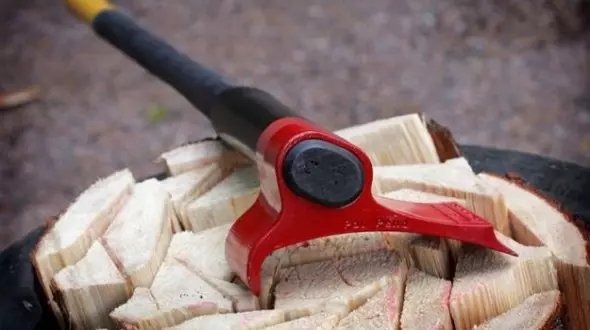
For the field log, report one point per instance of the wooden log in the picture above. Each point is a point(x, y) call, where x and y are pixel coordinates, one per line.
point(117, 278)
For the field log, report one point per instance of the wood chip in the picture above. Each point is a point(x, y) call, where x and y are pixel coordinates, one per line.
point(68, 240)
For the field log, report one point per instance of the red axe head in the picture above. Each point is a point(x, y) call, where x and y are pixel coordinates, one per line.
point(296, 159)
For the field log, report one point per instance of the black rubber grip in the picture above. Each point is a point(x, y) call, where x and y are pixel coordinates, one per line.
point(241, 114)
point(197, 83)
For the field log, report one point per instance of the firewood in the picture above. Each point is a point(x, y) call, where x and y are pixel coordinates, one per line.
point(224, 203)
point(179, 278)
point(188, 285)
point(426, 302)
point(453, 178)
point(538, 221)
point(318, 321)
point(382, 311)
point(488, 283)
point(147, 218)
point(537, 312)
point(176, 295)
point(187, 186)
point(413, 143)
point(198, 155)
point(88, 290)
point(238, 321)
point(340, 284)
point(70, 237)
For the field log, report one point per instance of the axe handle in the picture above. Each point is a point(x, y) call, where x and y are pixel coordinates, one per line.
point(239, 114)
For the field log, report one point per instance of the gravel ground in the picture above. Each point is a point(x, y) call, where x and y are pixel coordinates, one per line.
point(509, 74)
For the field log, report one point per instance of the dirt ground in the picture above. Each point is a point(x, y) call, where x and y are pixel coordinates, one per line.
point(510, 74)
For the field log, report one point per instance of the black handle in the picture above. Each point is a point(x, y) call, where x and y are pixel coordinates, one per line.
point(239, 114)
point(199, 84)
point(314, 169)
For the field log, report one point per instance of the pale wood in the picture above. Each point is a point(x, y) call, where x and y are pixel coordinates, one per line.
point(200, 154)
point(352, 281)
point(318, 321)
point(187, 186)
point(240, 321)
point(176, 295)
point(537, 312)
point(537, 220)
point(139, 236)
point(338, 284)
point(413, 143)
point(432, 255)
point(69, 238)
point(195, 281)
point(426, 302)
point(488, 283)
point(224, 203)
point(453, 178)
point(90, 289)
point(382, 311)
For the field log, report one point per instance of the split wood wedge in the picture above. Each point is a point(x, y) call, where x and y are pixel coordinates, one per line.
point(488, 283)
point(194, 280)
point(69, 238)
point(382, 311)
point(90, 289)
point(413, 141)
point(189, 185)
point(538, 221)
point(148, 218)
point(426, 302)
point(193, 156)
point(537, 312)
point(224, 203)
point(238, 321)
point(340, 284)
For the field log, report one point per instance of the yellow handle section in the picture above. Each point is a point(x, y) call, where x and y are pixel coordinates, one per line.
point(88, 9)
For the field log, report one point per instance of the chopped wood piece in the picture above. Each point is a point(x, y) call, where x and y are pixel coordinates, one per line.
point(318, 321)
point(177, 295)
point(196, 272)
point(453, 178)
point(535, 220)
point(381, 311)
point(537, 312)
point(413, 144)
point(225, 202)
point(187, 186)
point(68, 240)
point(204, 251)
point(90, 289)
point(339, 284)
point(200, 154)
point(239, 321)
point(139, 236)
point(426, 302)
point(488, 283)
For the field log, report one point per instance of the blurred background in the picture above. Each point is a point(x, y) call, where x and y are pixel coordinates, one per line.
point(502, 73)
